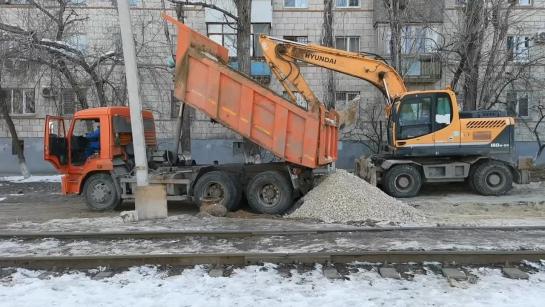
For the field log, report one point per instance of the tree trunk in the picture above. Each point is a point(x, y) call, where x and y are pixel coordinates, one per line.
point(327, 40)
point(395, 34)
point(472, 47)
point(11, 126)
point(244, 58)
point(244, 33)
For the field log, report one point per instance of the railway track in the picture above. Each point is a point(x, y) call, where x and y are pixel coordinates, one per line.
point(498, 257)
point(126, 235)
point(246, 257)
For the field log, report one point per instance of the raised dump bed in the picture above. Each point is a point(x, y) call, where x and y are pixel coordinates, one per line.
point(204, 81)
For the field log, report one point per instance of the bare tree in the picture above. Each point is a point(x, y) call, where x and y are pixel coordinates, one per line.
point(490, 58)
point(5, 107)
point(367, 128)
point(328, 40)
point(43, 41)
point(243, 26)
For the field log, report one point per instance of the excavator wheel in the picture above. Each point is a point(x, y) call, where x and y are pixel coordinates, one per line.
point(218, 184)
point(402, 180)
point(269, 192)
point(100, 192)
point(492, 178)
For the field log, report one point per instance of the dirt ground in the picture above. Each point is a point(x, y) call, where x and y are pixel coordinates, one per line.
point(444, 204)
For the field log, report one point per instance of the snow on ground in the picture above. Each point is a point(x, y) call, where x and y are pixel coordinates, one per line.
point(176, 222)
point(467, 240)
point(2, 198)
point(21, 179)
point(147, 286)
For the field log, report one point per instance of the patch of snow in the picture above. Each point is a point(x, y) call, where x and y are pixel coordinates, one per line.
point(21, 179)
point(2, 198)
point(148, 286)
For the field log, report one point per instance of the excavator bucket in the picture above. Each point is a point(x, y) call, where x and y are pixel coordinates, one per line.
point(205, 81)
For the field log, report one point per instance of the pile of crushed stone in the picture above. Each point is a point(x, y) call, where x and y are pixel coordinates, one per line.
point(343, 197)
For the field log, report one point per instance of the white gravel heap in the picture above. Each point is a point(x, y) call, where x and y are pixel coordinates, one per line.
point(342, 197)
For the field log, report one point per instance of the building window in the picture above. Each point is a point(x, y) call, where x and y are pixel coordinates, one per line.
point(299, 99)
point(225, 34)
point(134, 3)
point(77, 2)
point(414, 40)
point(344, 98)
point(20, 101)
point(348, 43)
point(296, 3)
point(517, 104)
point(78, 41)
point(518, 48)
point(347, 3)
point(68, 101)
point(524, 2)
point(257, 29)
point(298, 39)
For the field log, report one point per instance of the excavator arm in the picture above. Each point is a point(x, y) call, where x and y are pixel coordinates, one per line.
point(282, 56)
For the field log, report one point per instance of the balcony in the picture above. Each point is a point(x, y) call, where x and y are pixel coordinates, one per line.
point(423, 68)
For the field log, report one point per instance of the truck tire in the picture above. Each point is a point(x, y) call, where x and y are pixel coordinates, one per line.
point(218, 184)
point(100, 193)
point(492, 178)
point(269, 192)
point(402, 180)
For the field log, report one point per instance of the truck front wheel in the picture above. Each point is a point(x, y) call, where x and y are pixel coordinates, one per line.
point(220, 185)
point(100, 193)
point(269, 192)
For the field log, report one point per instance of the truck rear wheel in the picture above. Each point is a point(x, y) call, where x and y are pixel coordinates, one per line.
point(492, 178)
point(100, 193)
point(217, 184)
point(402, 180)
point(269, 192)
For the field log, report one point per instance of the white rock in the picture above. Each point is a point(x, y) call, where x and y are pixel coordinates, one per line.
point(342, 197)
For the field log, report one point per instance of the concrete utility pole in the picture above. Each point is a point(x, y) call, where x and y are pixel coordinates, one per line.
point(150, 200)
point(135, 105)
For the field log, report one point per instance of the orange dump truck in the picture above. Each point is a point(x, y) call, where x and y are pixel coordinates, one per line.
point(96, 157)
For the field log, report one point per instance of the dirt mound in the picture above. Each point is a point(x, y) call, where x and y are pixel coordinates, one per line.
point(342, 197)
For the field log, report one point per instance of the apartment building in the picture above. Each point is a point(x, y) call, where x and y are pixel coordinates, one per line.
point(358, 25)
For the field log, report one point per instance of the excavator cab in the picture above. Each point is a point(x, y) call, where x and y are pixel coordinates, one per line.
point(425, 123)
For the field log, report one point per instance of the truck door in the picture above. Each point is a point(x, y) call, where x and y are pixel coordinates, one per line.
point(55, 142)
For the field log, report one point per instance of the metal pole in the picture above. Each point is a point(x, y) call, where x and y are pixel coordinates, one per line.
point(179, 124)
point(135, 105)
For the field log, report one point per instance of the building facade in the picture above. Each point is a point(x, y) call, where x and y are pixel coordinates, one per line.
point(358, 25)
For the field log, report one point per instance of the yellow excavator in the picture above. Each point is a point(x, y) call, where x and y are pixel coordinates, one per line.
point(429, 138)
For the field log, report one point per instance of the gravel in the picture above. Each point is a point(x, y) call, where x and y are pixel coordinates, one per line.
point(342, 197)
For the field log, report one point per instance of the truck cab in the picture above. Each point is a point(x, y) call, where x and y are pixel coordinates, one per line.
point(95, 139)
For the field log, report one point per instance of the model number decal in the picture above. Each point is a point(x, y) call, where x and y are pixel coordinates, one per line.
point(498, 145)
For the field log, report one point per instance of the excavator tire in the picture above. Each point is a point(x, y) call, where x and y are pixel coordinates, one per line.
point(269, 192)
point(100, 192)
point(492, 178)
point(402, 180)
point(218, 184)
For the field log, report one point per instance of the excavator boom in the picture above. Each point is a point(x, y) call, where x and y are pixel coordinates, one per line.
point(282, 56)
